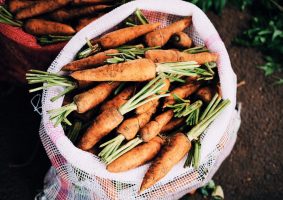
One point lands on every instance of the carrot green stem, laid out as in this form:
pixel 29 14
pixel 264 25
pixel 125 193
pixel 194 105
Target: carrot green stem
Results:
pixel 197 49
pixel 50 80
pixel 60 115
pixel 51 39
pixel 178 69
pixel 7 18
pixel 92 49
pixel 197 130
pixel 74 131
pixel 196 157
pixel 122 150
pixel 111 146
pixel 141 17
pixel 127 53
pixel 153 87
pixel 209 107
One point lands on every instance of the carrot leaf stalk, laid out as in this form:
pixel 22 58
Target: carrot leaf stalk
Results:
pixel 51 39
pixel 7 18
pixel 92 49
pixel 111 149
pixel 197 49
pixel 193 155
pixel 179 69
pixel 50 80
pixel 153 87
pixel 127 53
pixel 74 131
pixel 141 17
pixel 197 130
pixel 60 115
pixel 185 109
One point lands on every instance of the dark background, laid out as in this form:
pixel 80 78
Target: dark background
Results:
pixel 253 171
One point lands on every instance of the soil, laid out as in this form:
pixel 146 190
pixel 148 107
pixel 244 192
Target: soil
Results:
pixel 253 171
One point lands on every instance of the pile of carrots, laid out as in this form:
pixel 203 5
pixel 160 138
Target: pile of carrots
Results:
pixel 140 93
pixel 54 20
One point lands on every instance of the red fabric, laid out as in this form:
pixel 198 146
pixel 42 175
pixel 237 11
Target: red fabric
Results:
pixel 20 52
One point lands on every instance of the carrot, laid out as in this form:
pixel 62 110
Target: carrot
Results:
pixel 181 40
pixel 130 127
pixel 205 94
pixel 68 14
pixel 126 71
pixel 161 56
pixel 91 98
pixel 108 119
pixel 16 5
pixel 89 62
pixel 44 27
pixel 111 118
pixel 182 92
pixel 124 35
pixel 120 99
pixel 137 156
pixel 83 102
pixel 160 37
pixel 153 128
pixel 41 7
pixel 178 146
pixel 87 2
pixel 148 105
pixel 173 124
pixel 85 21
pixel 127 130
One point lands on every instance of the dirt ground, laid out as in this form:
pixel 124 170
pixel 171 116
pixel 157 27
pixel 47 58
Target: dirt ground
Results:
pixel 253 171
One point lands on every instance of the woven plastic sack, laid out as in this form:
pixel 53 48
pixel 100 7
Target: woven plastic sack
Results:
pixel 20 52
pixel 77 174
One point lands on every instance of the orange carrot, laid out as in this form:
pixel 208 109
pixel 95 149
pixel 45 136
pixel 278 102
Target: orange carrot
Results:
pixel 173 124
pixel 41 7
pixel 122 36
pixel 137 156
pixel 160 37
pixel 153 128
pixel 89 62
pixel 178 146
pixel 44 27
pixel 86 21
pixel 126 71
pixel 181 40
pixel 68 14
pixel 205 94
pixel 108 119
pixel 16 5
pixel 161 56
pixel 148 105
pixel 130 127
pixel 119 100
pixel 182 92
pixel 91 98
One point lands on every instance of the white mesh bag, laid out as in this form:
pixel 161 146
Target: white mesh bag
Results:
pixel 76 174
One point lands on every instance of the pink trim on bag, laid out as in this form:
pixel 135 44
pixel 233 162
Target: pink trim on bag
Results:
pixel 55 134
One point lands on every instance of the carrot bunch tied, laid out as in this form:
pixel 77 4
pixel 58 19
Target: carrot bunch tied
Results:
pixel 111 118
pixel 48 80
pixel 180 144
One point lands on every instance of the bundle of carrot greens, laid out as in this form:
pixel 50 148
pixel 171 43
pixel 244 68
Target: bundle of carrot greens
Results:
pixel 145 93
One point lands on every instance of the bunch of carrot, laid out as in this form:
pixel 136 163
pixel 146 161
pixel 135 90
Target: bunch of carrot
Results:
pixel 152 95
pixel 53 20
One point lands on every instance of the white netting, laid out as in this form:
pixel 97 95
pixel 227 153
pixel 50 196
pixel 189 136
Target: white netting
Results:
pixel 77 174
